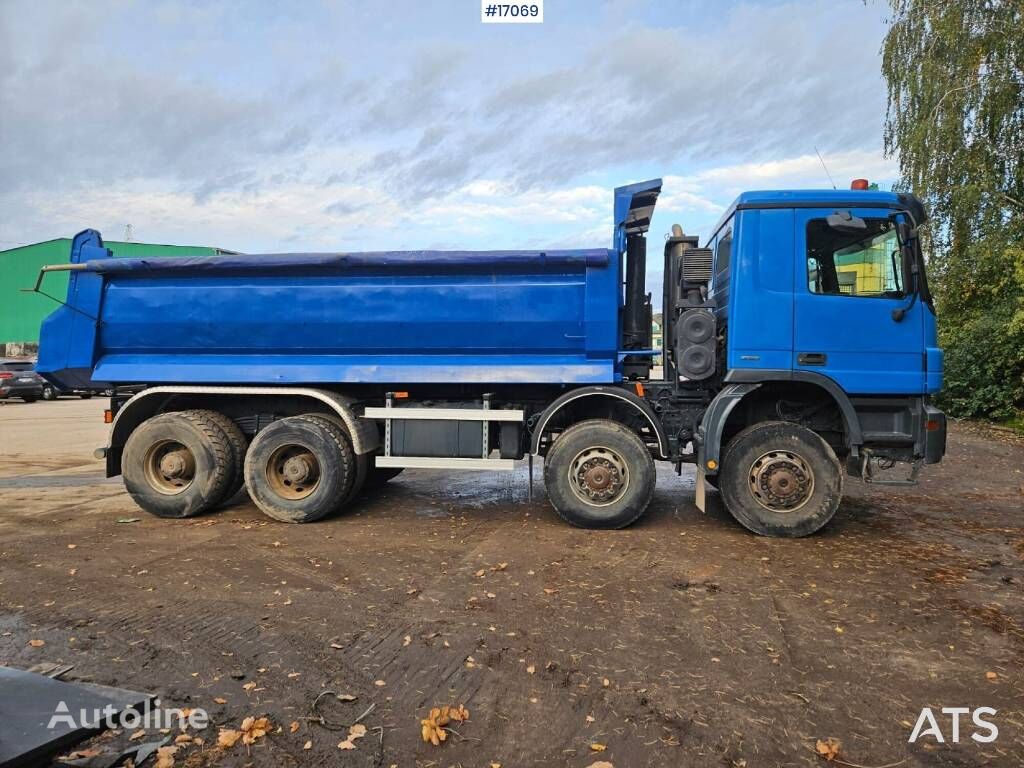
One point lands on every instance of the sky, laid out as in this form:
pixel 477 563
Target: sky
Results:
pixel 324 125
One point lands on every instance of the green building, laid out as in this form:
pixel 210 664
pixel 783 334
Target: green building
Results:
pixel 21 313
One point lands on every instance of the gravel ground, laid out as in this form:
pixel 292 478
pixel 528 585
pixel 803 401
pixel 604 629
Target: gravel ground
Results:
pixel 680 641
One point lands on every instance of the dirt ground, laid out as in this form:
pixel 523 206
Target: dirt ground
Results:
pixel 681 641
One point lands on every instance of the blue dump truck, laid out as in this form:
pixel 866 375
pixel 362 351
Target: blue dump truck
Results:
pixel 799 346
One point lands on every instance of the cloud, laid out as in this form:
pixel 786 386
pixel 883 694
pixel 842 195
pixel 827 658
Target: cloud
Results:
pixel 259 128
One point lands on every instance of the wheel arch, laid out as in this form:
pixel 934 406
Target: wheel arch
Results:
pixel 743 383
pixel 153 400
pixel 591 396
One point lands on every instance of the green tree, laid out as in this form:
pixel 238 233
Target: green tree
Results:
pixel 955 74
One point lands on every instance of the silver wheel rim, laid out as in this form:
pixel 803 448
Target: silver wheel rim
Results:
pixel 781 481
pixel 598 476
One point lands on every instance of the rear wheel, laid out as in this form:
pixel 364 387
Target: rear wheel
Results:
pixel 599 474
pixel 85 395
pixel 238 444
pixel 49 393
pixel 177 464
pixel 300 469
pixel 29 398
pixel 780 479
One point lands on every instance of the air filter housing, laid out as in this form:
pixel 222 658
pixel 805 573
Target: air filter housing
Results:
pixel 697 265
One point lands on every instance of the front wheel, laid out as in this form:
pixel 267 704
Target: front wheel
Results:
pixel 780 479
pixel 49 393
pixel 599 474
pixel 85 395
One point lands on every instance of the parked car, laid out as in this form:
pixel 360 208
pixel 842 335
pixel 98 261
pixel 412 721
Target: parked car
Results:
pixel 53 392
pixel 18 378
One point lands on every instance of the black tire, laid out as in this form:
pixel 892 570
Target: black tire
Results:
pixel 29 398
pixel 239 445
pixel 300 469
pixel 85 395
pixel 378 476
pixel 780 479
pixel 617 454
pixel 182 439
pixel 49 393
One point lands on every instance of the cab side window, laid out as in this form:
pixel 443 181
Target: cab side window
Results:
pixel 867 263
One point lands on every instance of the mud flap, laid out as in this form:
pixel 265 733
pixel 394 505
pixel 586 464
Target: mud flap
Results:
pixel 700 500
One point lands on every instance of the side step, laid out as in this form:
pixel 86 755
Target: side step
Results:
pixel 484 416
pixel 868 476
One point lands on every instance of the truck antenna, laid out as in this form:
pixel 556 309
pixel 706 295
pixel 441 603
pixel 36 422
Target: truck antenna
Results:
pixel 825 167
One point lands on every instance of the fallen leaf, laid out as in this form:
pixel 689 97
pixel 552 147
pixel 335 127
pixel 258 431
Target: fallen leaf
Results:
pixel 480 573
pixel 183 739
pixel 595 747
pixel 72 571
pixel 249 686
pixel 254 728
pixel 531 669
pixel 379 683
pixel 345 697
pixel 308 745
pixel 406 641
pixel 549 591
pixel 500 567
pixel 432 727
pixel 606 682
pixel 72 546
pixel 337 646
pixel 346 744
pixel 590 718
pixel 294 726
pixel 220 700
pixel 227 738
pixel 165 757
pixel 139 734
pixel 601 764
pixel 828 748
pixel 128 519
pixel 991 676
pixel 37 643
pixel 356 731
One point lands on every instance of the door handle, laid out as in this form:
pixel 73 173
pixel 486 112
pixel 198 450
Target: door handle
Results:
pixel 812 358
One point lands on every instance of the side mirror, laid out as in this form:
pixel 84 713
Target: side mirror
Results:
pixel 847 223
pixel 904 233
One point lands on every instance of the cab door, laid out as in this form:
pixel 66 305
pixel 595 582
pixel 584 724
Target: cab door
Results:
pixel 848 282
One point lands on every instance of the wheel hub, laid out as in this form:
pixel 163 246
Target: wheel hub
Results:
pixel 169 467
pixel 298 469
pixel 781 481
pixel 293 472
pixel 598 476
pixel 174 464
